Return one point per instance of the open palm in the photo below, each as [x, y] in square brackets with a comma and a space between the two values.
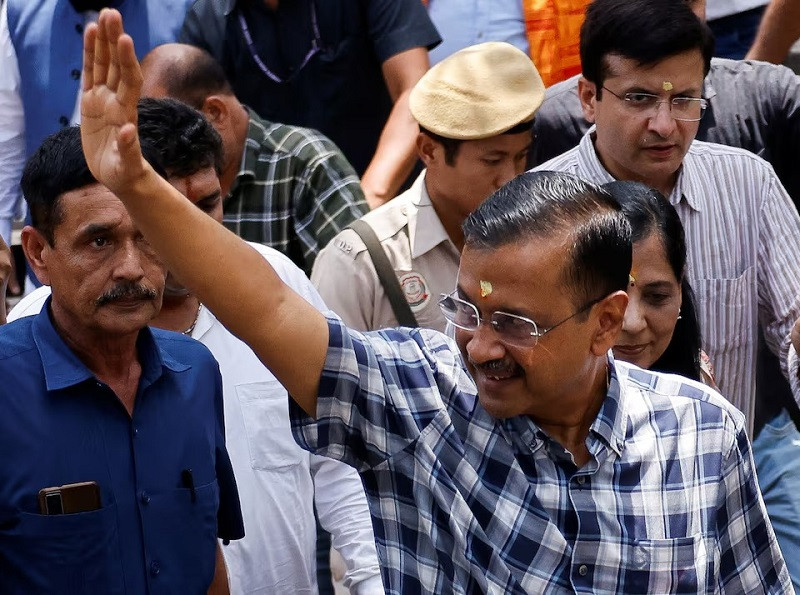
[112, 81]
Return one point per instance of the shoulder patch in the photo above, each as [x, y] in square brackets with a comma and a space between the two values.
[343, 245]
[416, 290]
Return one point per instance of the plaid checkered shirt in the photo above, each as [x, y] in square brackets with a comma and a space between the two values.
[465, 503]
[294, 192]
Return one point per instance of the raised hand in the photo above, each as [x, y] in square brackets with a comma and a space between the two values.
[112, 81]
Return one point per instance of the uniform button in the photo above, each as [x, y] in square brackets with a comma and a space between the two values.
[583, 570]
[154, 568]
[135, 432]
[75, 74]
[79, 28]
[581, 479]
[145, 498]
[64, 121]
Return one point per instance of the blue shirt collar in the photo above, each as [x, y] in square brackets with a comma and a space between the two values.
[62, 368]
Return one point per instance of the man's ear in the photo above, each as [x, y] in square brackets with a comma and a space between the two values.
[216, 111]
[37, 250]
[426, 148]
[587, 93]
[610, 312]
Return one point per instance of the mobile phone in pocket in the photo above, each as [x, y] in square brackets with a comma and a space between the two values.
[70, 498]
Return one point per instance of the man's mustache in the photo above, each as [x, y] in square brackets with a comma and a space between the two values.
[126, 291]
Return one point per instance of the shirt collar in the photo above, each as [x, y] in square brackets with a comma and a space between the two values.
[591, 168]
[610, 425]
[62, 368]
[425, 229]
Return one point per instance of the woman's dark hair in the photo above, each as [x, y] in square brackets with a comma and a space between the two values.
[649, 212]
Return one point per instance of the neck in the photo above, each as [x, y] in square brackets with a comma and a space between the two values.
[451, 218]
[233, 157]
[572, 429]
[178, 313]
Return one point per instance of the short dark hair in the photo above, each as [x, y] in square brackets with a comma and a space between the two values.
[186, 141]
[194, 77]
[646, 31]
[543, 203]
[451, 145]
[176, 140]
[56, 167]
[649, 212]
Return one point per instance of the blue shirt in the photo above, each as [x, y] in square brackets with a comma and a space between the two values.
[59, 425]
[465, 503]
[463, 23]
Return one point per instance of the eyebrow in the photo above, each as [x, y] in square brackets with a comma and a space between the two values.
[658, 285]
[95, 229]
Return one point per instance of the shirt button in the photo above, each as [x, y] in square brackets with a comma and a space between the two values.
[583, 570]
[64, 121]
[135, 432]
[75, 74]
[145, 498]
[581, 479]
[154, 568]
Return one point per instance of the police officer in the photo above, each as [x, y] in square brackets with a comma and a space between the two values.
[475, 112]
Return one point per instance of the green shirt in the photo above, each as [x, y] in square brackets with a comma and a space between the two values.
[294, 191]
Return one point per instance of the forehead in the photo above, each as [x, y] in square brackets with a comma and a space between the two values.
[684, 71]
[199, 185]
[650, 257]
[526, 276]
[93, 204]
[507, 143]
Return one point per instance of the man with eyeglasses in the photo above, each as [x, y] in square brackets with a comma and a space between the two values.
[641, 87]
[529, 462]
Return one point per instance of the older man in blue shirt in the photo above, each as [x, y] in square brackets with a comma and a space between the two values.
[90, 394]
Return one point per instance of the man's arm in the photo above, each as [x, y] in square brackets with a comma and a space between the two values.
[219, 586]
[343, 512]
[288, 334]
[396, 152]
[779, 29]
[750, 559]
[6, 270]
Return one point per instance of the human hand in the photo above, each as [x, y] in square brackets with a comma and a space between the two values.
[112, 82]
[6, 270]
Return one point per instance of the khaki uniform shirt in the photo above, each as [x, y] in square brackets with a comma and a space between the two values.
[424, 258]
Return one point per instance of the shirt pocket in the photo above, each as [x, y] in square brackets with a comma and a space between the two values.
[69, 553]
[726, 308]
[677, 565]
[265, 412]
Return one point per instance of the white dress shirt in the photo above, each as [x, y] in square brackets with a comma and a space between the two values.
[743, 242]
[278, 481]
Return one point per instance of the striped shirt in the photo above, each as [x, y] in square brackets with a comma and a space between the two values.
[465, 503]
[743, 240]
[294, 192]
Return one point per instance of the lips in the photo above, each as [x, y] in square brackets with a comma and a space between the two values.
[629, 351]
[660, 150]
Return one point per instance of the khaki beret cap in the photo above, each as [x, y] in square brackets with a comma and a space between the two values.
[478, 92]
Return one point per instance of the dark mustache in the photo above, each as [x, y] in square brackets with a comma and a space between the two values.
[496, 365]
[126, 291]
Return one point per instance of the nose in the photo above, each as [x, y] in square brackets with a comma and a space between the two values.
[634, 321]
[506, 172]
[661, 122]
[128, 264]
[484, 346]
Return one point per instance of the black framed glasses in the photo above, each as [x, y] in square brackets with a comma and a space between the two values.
[685, 109]
[511, 328]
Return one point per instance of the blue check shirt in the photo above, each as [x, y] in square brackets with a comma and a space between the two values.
[465, 503]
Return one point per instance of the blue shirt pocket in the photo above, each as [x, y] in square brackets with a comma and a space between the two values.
[66, 553]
